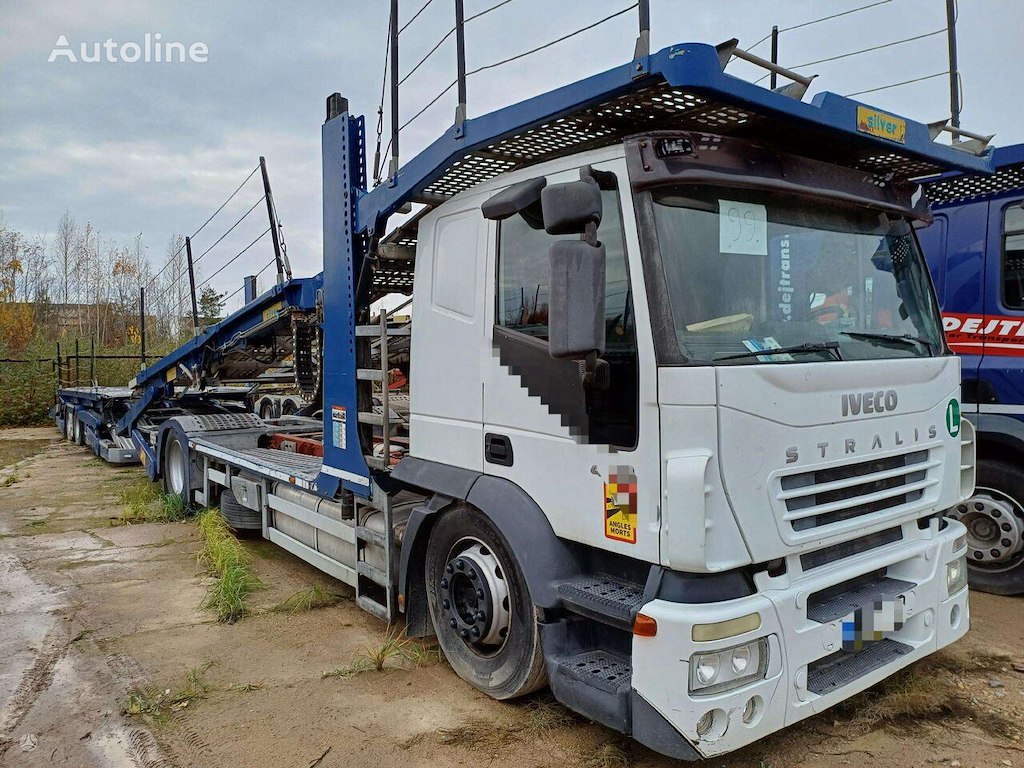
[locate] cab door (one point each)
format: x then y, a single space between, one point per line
1001 371
954 246
588 456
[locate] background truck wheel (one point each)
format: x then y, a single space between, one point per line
482 613
176 468
994 517
267 410
79 432
243 520
69 425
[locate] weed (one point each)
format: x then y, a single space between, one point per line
544 714
308 600
929 691
479 733
228 561
394 650
611 754
138 499
158 704
37 523
246 687
10 480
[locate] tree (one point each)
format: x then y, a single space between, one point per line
211 304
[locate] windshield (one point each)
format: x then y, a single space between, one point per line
749 271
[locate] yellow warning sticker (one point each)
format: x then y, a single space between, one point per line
272 310
880 124
620 505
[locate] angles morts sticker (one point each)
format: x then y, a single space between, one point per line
620 505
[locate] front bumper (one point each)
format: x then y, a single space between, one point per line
797 684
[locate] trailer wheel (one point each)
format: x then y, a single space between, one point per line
175 469
481 610
994 517
79 432
69 425
289 407
267 410
243 520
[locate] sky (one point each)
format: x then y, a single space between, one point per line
154 148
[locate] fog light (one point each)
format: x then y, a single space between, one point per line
704 724
956 575
752 711
707 668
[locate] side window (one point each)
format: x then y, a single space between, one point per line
524 271
1013 257
523 277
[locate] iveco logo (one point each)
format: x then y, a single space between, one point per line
857 403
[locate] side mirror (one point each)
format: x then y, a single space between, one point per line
572 207
576 298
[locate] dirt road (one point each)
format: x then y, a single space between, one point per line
107 659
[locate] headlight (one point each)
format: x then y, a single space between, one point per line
715 671
956 575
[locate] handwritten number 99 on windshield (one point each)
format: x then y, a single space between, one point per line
742 226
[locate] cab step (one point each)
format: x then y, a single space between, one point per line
604 598
595 683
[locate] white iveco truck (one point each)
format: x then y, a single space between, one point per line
682 423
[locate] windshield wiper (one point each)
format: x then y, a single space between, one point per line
902 338
831 347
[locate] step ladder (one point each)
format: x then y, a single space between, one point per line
371 339
376 582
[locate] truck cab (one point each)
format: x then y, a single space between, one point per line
975 251
786 486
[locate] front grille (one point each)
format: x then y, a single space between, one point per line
832 495
849 548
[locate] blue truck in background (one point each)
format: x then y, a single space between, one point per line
975 252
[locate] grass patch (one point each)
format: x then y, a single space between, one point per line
393 651
144 502
611 754
930 691
536 719
308 600
39 523
10 480
226 559
158 704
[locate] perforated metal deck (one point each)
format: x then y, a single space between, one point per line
605 598
962 188
598 669
845 603
842 668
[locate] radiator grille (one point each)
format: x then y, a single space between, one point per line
824 497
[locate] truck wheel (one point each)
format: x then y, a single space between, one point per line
289 407
79 432
267 410
994 517
69 425
480 608
243 520
175 469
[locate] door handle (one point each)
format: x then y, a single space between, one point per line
498 449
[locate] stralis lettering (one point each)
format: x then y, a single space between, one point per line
856 403
852 446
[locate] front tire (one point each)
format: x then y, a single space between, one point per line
481 610
994 517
